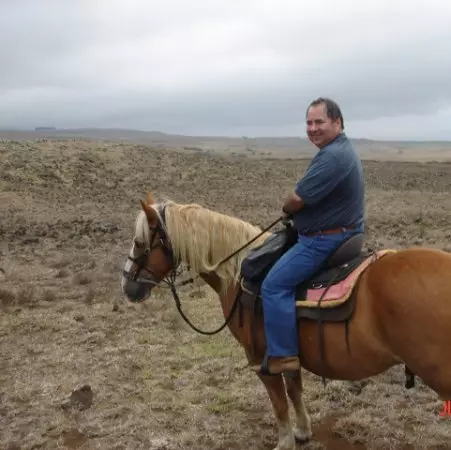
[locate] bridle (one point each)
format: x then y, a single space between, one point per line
159 233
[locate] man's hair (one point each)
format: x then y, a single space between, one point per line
333 111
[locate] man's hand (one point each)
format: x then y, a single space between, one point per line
286 216
292 204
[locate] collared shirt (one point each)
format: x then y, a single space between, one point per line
333 189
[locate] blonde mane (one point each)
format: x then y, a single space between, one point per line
201 238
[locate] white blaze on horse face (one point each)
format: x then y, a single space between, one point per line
127 267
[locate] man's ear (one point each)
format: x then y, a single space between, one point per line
337 123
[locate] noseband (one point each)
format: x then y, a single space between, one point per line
141 261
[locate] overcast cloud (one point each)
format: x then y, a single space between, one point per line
235 67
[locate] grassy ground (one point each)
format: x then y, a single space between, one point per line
67 213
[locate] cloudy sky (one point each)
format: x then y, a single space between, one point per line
230 67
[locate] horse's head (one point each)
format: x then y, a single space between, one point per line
151 258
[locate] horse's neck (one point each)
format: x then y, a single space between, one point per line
212 280
214 236
226 299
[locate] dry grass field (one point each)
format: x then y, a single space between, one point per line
67 211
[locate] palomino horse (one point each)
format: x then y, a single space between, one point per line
401 312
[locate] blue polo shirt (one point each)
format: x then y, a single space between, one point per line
333 189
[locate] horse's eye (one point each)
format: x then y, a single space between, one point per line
138 244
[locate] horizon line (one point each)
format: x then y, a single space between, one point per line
44 129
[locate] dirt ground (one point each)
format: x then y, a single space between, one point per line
144 379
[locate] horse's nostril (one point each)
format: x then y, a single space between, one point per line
135 292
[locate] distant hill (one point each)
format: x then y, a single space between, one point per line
290 146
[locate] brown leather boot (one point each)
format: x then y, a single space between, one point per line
278 365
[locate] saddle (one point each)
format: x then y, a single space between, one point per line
327 295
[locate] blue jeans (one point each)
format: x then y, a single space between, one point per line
278 289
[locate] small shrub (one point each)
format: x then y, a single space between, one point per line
82 278
7 298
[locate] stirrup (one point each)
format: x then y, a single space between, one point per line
264 368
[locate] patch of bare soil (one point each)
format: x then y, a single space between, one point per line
83 369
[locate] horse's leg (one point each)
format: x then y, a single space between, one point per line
278 396
302 430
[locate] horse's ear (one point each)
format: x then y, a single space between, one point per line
150 212
150 199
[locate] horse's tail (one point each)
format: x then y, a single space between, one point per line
410 378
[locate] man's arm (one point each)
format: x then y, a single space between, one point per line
292 204
321 177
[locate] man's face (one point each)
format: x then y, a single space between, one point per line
320 129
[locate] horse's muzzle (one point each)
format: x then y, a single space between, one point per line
135 291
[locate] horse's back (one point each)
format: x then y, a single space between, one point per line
422 263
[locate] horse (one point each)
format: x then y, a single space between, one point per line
400 304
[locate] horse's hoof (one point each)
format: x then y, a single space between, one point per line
287 444
301 437
302 440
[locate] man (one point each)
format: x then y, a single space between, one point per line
327 206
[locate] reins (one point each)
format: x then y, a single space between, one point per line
173 286
235 302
